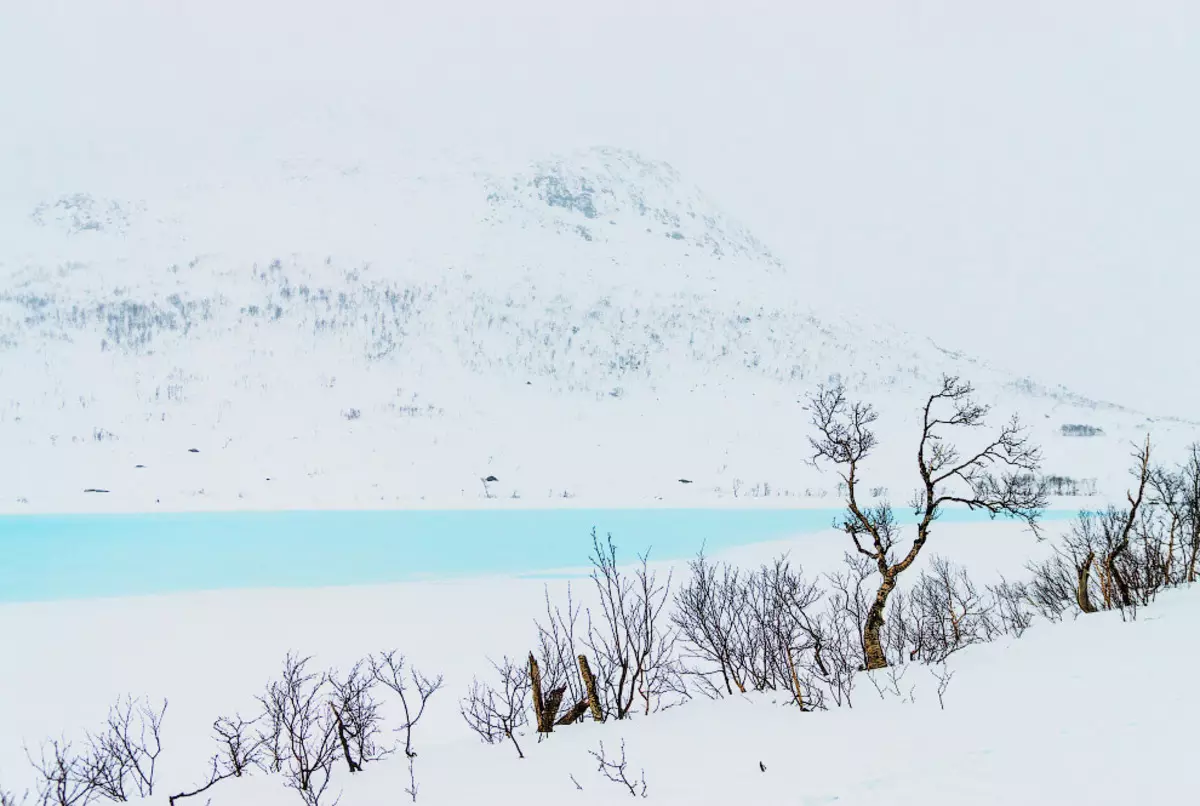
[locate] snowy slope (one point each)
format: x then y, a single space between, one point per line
587 328
1077 712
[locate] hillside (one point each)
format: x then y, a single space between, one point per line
308 332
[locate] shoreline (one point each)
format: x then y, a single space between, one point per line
448 505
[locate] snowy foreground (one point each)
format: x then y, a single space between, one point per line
1087 711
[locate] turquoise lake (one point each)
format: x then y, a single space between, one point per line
48 557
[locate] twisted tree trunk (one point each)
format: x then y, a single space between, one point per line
873 632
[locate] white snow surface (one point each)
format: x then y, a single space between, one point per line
1077 712
386 331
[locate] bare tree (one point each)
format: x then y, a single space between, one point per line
1054 587
126 751
302 734
656 640
1167 495
888 682
762 630
1094 560
944 675
836 655
357 716
1123 557
616 770
1177 492
794 629
496 714
630 638
709 608
414 690
950 612
1190 472
9 799
240 748
63 777
1012 606
559 650
850 601
844 438
1119 529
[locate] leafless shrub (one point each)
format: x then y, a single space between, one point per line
849 600
889 682
9 799
762 630
793 629
630 638
1115 559
844 437
616 770
122 758
496 714
1190 506
559 649
357 716
1176 495
1123 557
1080 430
949 611
709 608
1068 486
944 675
902 629
1012 602
240 748
1053 588
301 735
414 690
836 657
63 777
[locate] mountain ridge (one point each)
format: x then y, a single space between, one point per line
471 311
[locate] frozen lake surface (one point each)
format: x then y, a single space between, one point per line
47 557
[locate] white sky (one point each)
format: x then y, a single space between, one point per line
1015 179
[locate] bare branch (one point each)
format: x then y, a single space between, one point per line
616 770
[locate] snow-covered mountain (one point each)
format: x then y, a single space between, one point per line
587 328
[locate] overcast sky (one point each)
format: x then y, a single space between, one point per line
1015 179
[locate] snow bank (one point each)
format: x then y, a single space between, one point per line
1078 712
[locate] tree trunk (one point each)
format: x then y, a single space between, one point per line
513 737
873 632
1082 583
795 680
539 704
553 702
574 714
1170 552
589 685
341 729
1119 580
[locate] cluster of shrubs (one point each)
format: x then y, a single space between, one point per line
725 630
1081 430
307 724
1122 558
